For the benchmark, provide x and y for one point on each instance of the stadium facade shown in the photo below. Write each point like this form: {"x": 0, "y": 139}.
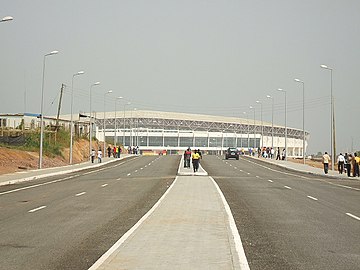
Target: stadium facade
{"x": 155, "y": 131}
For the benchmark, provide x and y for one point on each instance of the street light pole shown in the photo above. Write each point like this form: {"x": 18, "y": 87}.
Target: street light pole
{"x": 115, "y": 136}
{"x": 90, "y": 112}
{"x": 128, "y": 103}
{"x": 262, "y": 125}
{"x": 104, "y": 124}
{"x": 332, "y": 120}
{"x": 71, "y": 114}
{"x": 272, "y": 120}
{"x": 253, "y": 108}
{"x": 286, "y": 152}
{"x": 303, "y": 105}
{"x": 247, "y": 122}
{"x": 41, "y": 109}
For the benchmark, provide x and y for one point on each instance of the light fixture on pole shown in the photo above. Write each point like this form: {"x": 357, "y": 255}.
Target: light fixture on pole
{"x": 286, "y": 151}
{"x": 115, "y": 136}
{"x": 91, "y": 125}
{"x": 332, "y": 120}
{"x": 272, "y": 120}
{"x": 104, "y": 124}
{"x": 128, "y": 103}
{"x": 71, "y": 115}
{"x": 262, "y": 125}
{"x": 6, "y": 19}
{"x": 41, "y": 110}
{"x": 303, "y": 105}
{"x": 253, "y": 108}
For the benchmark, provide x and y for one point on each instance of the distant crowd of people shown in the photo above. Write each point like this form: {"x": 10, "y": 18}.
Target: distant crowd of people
{"x": 112, "y": 152}
{"x": 347, "y": 163}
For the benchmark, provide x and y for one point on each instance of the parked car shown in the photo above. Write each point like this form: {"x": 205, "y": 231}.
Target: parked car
{"x": 232, "y": 153}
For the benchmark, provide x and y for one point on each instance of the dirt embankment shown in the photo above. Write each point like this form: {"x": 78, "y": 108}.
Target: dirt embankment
{"x": 12, "y": 160}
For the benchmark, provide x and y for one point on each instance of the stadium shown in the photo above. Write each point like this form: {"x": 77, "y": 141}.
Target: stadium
{"x": 155, "y": 132}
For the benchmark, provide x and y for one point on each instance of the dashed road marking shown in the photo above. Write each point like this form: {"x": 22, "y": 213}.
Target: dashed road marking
{"x": 136, "y": 170}
{"x": 104, "y": 185}
{"x": 37, "y": 209}
{"x": 271, "y": 181}
{"x": 313, "y": 198}
{"x": 353, "y": 216}
{"x": 287, "y": 187}
{"x": 128, "y": 174}
{"x": 118, "y": 179}
{"x": 257, "y": 176}
{"x": 79, "y": 194}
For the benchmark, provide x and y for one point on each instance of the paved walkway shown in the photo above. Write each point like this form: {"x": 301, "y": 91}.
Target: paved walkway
{"x": 302, "y": 167}
{"x": 191, "y": 227}
{"x": 13, "y": 178}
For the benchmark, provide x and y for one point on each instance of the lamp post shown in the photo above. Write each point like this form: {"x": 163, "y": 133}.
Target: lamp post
{"x": 104, "y": 124}
{"x": 272, "y": 120}
{"x": 41, "y": 107}
{"x": 262, "y": 125}
{"x": 128, "y": 103}
{"x": 71, "y": 114}
{"x": 247, "y": 122}
{"x": 6, "y": 19}
{"x": 286, "y": 152}
{"x": 253, "y": 108}
{"x": 91, "y": 131}
{"x": 332, "y": 120}
{"x": 303, "y": 105}
{"x": 115, "y": 136}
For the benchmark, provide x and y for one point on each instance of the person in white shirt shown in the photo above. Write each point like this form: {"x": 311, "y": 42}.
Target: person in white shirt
{"x": 341, "y": 162}
{"x": 99, "y": 154}
{"x": 326, "y": 159}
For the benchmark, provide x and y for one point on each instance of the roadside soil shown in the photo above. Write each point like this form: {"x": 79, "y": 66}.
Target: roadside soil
{"x": 12, "y": 160}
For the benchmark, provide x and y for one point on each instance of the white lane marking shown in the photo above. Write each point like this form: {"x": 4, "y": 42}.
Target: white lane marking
{"x": 313, "y": 198}
{"x": 287, "y": 187}
{"x": 136, "y": 170}
{"x": 104, "y": 185}
{"x": 128, "y": 174}
{"x": 81, "y": 193}
{"x": 141, "y": 168}
{"x": 37, "y": 209}
{"x": 118, "y": 179}
{"x": 108, "y": 253}
{"x": 235, "y": 168}
{"x": 241, "y": 170}
{"x": 257, "y": 176}
{"x": 271, "y": 181}
{"x": 236, "y": 236}
{"x": 149, "y": 164}
{"x": 145, "y": 166}
{"x": 37, "y": 185}
{"x": 353, "y": 216}
{"x": 230, "y": 165}
{"x": 248, "y": 173}
{"x": 87, "y": 173}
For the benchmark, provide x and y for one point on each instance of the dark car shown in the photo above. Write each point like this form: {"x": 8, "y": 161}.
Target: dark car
{"x": 232, "y": 153}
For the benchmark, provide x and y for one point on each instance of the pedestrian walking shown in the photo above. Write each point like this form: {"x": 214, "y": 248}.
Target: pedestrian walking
{"x": 283, "y": 154}
{"x": 341, "y": 162}
{"x": 325, "y": 161}
{"x": 356, "y": 165}
{"x": 278, "y": 154}
{"x": 114, "y": 151}
{"x": 118, "y": 151}
{"x": 187, "y": 157}
{"x": 99, "y": 155}
{"x": 348, "y": 164}
{"x": 92, "y": 155}
{"x": 195, "y": 160}
{"x": 109, "y": 151}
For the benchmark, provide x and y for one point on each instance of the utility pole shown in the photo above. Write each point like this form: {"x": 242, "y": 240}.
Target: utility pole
{"x": 59, "y": 107}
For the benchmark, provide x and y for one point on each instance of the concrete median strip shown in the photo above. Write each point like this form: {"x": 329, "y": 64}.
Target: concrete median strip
{"x": 190, "y": 227}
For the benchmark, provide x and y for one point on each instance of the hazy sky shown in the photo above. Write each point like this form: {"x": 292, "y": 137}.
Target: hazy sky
{"x": 208, "y": 57}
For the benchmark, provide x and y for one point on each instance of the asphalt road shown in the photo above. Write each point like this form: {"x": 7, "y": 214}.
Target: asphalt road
{"x": 69, "y": 221}
{"x": 290, "y": 220}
